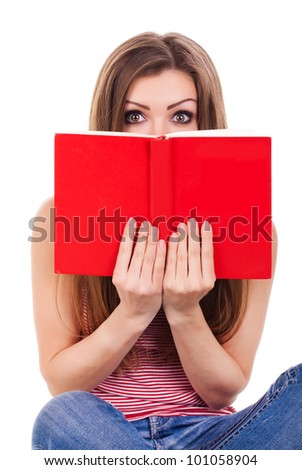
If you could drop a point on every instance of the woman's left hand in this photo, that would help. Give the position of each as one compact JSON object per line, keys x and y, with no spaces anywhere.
{"x":189,"y":273}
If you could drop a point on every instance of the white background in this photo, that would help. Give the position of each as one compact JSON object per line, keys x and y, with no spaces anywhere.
{"x":51,"y":53}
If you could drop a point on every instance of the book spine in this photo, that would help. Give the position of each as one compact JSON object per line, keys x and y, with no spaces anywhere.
{"x":161,"y":189}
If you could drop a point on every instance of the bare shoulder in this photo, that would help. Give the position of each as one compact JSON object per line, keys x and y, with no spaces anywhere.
{"x":42,"y":223}
{"x":260,"y":289}
{"x":45,"y":282}
{"x":42,"y":237}
{"x":44,"y":277}
{"x":275,"y":246}
{"x":45,"y":207}
{"x":53,"y":305}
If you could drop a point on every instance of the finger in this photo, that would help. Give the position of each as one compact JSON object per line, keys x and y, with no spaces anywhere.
{"x":150,"y":254}
{"x":170,"y":269}
{"x":136,"y":261}
{"x":125,"y":249}
{"x":159,"y":264}
{"x":194,"y":252}
{"x":182,"y":252}
{"x":207,"y":253}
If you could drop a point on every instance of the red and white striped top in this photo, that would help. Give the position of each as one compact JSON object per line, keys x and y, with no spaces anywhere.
{"x":158,"y":386}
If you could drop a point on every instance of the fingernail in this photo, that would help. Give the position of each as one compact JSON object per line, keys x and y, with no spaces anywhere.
{"x":206,"y":226}
{"x":162,"y":244}
{"x":174,"y":237}
{"x":154,"y":233}
{"x":144,"y":225}
{"x":132,"y":222}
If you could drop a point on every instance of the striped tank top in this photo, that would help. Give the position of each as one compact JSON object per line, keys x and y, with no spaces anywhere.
{"x":158,"y":386}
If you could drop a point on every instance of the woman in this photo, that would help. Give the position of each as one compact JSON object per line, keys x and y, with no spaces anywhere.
{"x":154,"y":357}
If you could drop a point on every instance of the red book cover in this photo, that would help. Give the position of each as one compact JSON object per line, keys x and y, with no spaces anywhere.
{"x":103,"y":179}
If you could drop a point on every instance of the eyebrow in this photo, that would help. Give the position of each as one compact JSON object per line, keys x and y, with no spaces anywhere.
{"x":180,"y":102}
{"x":138,"y":104}
{"x":168,"y":107}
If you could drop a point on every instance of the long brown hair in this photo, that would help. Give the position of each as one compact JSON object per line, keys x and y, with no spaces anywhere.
{"x":143,"y":55}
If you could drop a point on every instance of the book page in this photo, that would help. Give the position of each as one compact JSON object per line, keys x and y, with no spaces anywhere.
{"x":197,"y":133}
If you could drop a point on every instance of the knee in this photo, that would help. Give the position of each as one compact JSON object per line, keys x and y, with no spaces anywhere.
{"x":63,"y":403}
{"x":292,"y":376}
{"x":72,"y":420}
{"x":60,"y":414}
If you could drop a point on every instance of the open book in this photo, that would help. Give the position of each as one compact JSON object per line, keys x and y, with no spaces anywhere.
{"x":104,"y":178}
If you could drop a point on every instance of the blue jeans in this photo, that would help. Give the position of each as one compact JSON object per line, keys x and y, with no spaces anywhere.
{"x":80,"y":420}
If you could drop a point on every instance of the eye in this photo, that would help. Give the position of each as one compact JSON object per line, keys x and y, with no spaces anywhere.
{"x":134,"y":117}
{"x":182,"y":117}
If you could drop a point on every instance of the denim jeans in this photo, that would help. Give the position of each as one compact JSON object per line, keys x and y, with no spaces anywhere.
{"x":80,"y":420}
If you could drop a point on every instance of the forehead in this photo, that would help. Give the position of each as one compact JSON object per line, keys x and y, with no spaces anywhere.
{"x":170,"y":84}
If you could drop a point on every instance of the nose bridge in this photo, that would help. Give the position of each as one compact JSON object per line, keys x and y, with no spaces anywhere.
{"x":159,"y":126}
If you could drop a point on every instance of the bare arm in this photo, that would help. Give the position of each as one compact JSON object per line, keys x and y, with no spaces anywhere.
{"x":217,"y":372}
{"x":68,"y":363}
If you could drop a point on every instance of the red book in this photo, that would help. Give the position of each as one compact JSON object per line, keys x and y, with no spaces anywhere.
{"x":103,"y":179}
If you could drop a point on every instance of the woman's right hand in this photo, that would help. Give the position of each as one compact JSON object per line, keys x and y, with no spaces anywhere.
{"x":139,"y":270}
